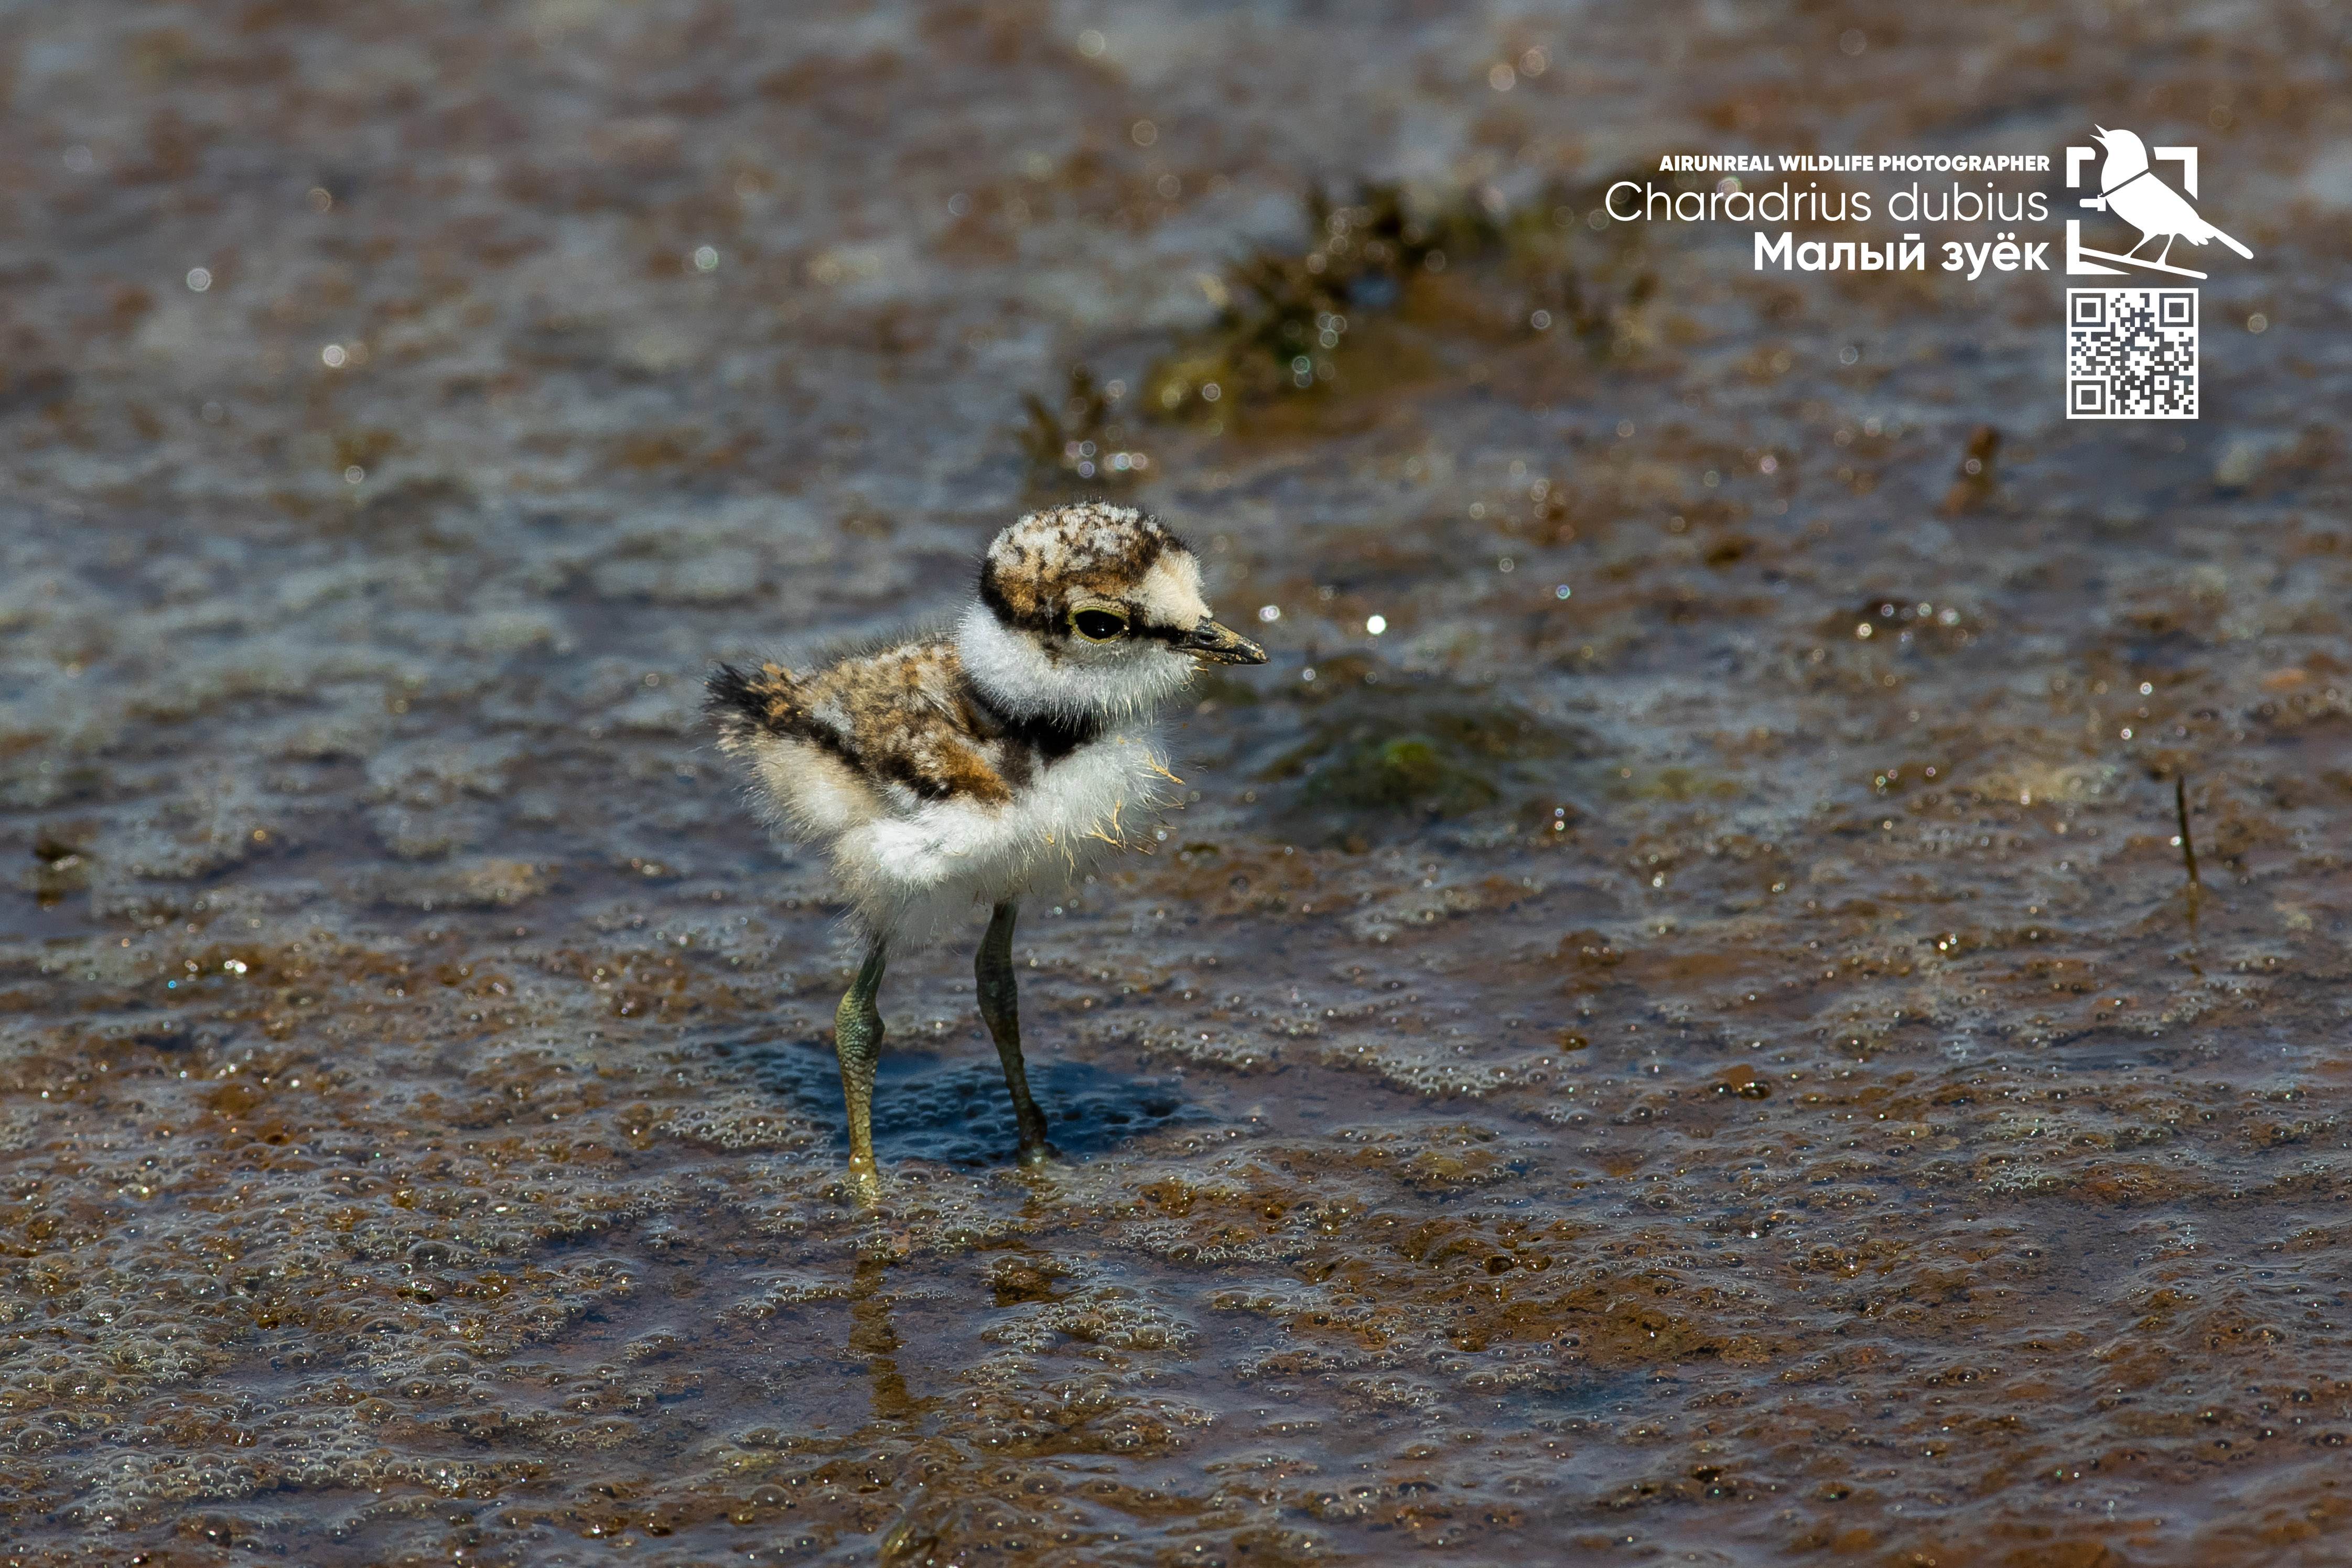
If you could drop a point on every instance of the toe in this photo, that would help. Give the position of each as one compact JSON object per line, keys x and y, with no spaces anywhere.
{"x":862,"y":1180}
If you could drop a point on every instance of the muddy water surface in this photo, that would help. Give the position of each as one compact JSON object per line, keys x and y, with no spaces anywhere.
{"x":1693,"y":1043}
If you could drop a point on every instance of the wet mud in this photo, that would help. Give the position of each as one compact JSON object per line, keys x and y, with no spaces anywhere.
{"x":1672,"y":1024}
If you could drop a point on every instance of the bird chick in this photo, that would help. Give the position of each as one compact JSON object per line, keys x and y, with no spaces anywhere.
{"x":979,"y":765}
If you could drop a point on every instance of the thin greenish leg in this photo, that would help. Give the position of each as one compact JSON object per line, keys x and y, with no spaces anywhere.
{"x":1000,"y":1004}
{"x":858,"y":1038}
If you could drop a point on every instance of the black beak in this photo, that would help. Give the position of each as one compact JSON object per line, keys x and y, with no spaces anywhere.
{"x":1216,"y":644}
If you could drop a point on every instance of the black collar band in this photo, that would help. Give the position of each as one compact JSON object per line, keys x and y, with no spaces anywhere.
{"x":1051,"y":735}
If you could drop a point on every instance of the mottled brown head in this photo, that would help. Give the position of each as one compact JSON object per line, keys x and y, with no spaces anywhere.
{"x":1041,"y":567}
{"x":1096,"y":575}
{"x":1091,"y":609}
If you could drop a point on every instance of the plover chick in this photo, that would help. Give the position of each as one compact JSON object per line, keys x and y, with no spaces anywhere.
{"x":973,"y":767}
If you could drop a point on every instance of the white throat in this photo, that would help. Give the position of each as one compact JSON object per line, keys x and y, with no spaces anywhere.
{"x":1021,"y":677}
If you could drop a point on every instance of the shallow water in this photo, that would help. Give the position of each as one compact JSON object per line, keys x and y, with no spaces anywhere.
{"x":1784,"y":1100}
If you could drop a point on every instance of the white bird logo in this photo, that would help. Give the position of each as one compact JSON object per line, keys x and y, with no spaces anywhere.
{"x":2130,"y":189}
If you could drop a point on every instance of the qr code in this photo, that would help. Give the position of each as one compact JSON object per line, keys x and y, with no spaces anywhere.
{"x":2131,"y":353}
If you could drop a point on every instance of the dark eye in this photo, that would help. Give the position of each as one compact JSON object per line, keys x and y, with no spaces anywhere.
{"x":1098,"y":625}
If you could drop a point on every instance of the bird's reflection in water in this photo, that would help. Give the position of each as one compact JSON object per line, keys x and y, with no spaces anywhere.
{"x":917,"y":1536}
{"x":872,"y":1337}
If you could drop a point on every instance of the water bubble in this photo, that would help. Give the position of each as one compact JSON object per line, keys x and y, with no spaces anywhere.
{"x":706,"y":257}
{"x":1376,"y":624}
{"x":1269,"y":611}
{"x":333,"y":356}
{"x":199,"y":278}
